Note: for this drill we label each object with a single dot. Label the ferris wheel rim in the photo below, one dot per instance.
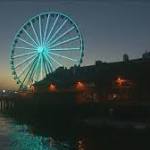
(30, 20)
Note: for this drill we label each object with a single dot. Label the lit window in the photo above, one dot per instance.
(80, 86)
(120, 81)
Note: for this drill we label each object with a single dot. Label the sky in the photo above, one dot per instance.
(109, 29)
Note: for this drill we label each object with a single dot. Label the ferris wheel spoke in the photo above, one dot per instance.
(31, 66)
(47, 66)
(27, 48)
(52, 60)
(41, 68)
(36, 68)
(35, 32)
(62, 35)
(57, 30)
(49, 62)
(64, 49)
(28, 78)
(45, 32)
(65, 57)
(22, 55)
(55, 61)
(52, 27)
(40, 30)
(27, 73)
(64, 42)
(26, 60)
(32, 72)
(26, 42)
(25, 68)
(30, 36)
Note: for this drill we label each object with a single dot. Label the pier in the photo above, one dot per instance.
(6, 104)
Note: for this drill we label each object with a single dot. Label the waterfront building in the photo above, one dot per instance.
(124, 80)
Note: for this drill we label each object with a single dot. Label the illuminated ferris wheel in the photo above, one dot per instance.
(44, 43)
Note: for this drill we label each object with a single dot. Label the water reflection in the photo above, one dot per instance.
(81, 144)
(14, 136)
(22, 139)
(4, 133)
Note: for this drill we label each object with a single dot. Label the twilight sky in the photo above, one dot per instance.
(109, 29)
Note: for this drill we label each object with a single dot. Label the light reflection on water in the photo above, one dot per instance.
(4, 133)
(14, 136)
(18, 137)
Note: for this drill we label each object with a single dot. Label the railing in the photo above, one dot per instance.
(6, 104)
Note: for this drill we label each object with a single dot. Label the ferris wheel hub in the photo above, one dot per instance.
(41, 49)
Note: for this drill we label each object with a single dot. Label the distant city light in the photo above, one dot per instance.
(4, 91)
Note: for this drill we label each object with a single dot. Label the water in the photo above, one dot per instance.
(4, 133)
(15, 136)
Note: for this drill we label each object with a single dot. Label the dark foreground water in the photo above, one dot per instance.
(16, 136)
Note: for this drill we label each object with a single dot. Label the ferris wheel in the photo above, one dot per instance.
(45, 42)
